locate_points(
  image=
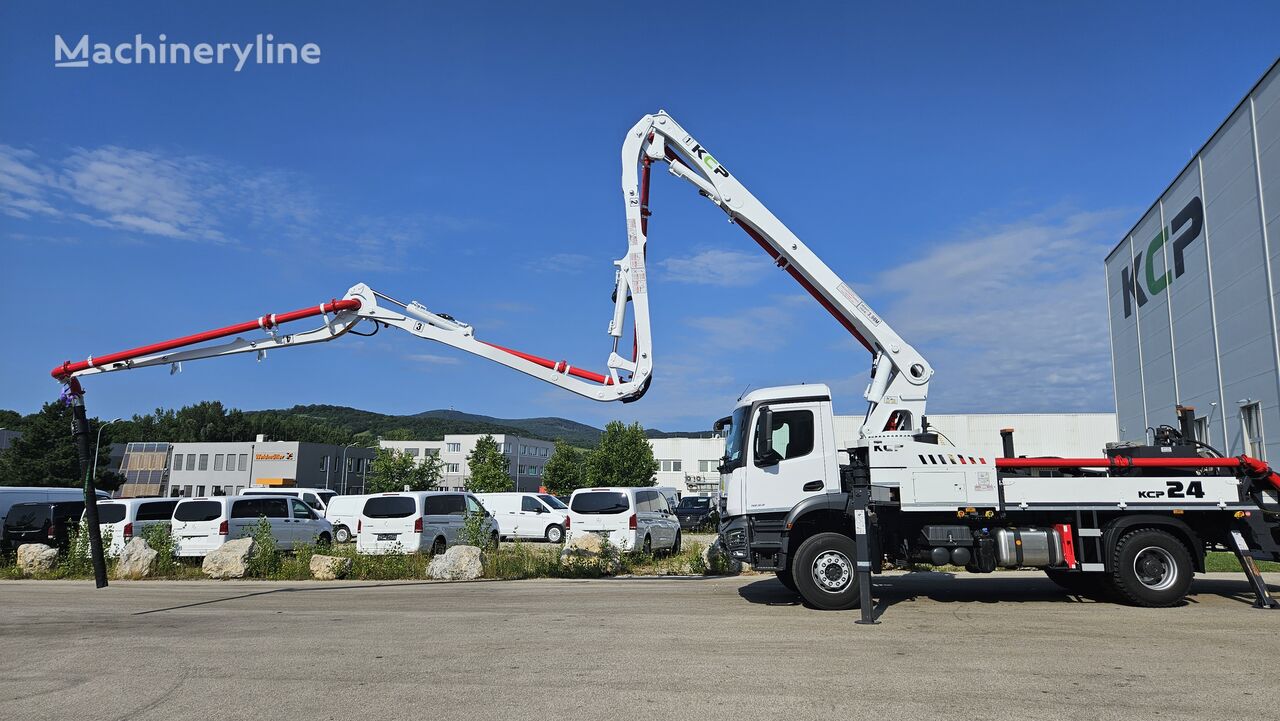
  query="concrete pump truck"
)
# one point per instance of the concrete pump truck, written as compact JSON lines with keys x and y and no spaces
{"x":1133,"y":525}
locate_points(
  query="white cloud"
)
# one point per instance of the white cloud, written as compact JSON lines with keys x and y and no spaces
{"x":563,"y":263}
{"x":433,"y":359}
{"x":723,"y":268}
{"x":1012,"y":318}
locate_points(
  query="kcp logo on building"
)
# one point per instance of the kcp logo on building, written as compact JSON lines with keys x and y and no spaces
{"x":264,"y":50}
{"x":1190,"y":217}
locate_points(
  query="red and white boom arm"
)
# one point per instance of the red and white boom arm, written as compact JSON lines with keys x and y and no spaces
{"x":896,"y":394}
{"x":899,"y":385}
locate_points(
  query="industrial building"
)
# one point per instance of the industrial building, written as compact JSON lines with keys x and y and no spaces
{"x":690,"y":464}
{"x":526,"y":457}
{"x":1192,"y":291}
{"x":200,"y":469}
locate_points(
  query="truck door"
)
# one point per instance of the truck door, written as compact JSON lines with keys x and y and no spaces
{"x":795,"y":467}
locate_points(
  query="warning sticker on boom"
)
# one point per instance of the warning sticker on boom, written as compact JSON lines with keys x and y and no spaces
{"x":638,"y":281}
{"x":857,"y":300}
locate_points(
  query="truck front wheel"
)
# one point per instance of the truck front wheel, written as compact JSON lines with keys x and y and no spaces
{"x":1151,"y":568}
{"x":825,"y":572}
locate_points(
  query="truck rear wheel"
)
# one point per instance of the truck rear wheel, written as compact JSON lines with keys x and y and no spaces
{"x":825,"y":573}
{"x":1150,"y":568}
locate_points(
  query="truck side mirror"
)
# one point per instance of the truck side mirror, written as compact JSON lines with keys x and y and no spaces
{"x":765,"y":455}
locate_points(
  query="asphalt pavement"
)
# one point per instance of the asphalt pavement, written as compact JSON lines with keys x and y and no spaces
{"x":1006,"y":646}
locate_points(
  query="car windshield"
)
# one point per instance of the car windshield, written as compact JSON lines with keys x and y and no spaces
{"x":735,"y":435}
{"x":110,"y":513}
{"x":694,"y":504}
{"x":552,"y":501}
{"x":600,"y":503}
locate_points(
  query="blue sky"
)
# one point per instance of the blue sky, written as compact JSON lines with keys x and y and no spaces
{"x":966,"y":166}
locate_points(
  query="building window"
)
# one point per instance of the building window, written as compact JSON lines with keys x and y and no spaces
{"x":1251,"y":429}
{"x":431,"y":452}
{"x":708,"y":466}
{"x":324,"y":463}
{"x":670,"y":465}
{"x":244,"y":461}
{"x":412,"y":452}
{"x":204,"y":463}
{"x":217,"y":462}
{"x":191,"y":461}
{"x":454,"y":447}
{"x":177,"y":461}
{"x":451,"y":468}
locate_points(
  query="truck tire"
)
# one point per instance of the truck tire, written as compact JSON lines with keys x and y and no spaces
{"x":1089,"y":585}
{"x":1150,"y":568}
{"x":825,"y":572}
{"x":787,"y":580}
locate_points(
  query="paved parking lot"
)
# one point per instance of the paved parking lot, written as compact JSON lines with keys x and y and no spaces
{"x":1009,"y":646}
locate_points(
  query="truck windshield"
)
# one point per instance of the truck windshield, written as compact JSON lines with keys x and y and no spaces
{"x":735,"y":436}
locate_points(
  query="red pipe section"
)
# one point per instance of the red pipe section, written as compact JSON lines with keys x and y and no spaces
{"x":1250,"y":465}
{"x":64,"y":371}
{"x":553,"y":365}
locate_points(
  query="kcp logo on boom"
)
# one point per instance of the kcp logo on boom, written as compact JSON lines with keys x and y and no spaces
{"x":1131,"y":280}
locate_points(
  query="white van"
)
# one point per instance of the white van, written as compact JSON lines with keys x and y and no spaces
{"x":344,"y":513}
{"x":527,"y":515}
{"x":200,"y":525}
{"x":672,"y":495}
{"x":632,"y":519}
{"x":416,"y":521}
{"x":11,"y":495}
{"x":126,"y":517}
{"x":317,"y":498}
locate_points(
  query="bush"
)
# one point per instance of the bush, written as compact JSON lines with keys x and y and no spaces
{"x":264,"y":562}
{"x":474,"y":531}
{"x":159,"y":537}
{"x":77,"y":561}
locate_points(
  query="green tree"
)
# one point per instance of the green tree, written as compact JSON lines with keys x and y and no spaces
{"x":392,"y":470}
{"x":622,"y":458}
{"x":489,"y":467}
{"x":566,"y":470}
{"x":45,"y":455}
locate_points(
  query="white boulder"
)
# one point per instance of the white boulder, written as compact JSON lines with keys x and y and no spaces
{"x":329,"y":568}
{"x":230,"y":560}
{"x":459,"y":563}
{"x":36,"y":558}
{"x":137,"y":560}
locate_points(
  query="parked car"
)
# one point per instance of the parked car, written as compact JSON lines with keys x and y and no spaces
{"x":317,"y":498}
{"x":633,"y":519}
{"x":344,"y":513}
{"x":697,"y":513}
{"x":527,"y":515}
{"x":126,"y":517}
{"x":11,"y":495}
{"x":416,"y":521}
{"x":50,"y":523}
{"x":200,"y":525}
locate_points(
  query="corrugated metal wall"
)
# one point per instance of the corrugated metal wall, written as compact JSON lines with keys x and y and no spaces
{"x":1192,"y":290}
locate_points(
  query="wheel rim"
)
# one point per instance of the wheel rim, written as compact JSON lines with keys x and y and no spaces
{"x":1155,"y":568}
{"x":832,"y":571}
{"x":555,"y":534}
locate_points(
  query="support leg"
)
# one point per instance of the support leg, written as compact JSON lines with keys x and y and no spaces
{"x":861,"y":499}
{"x":1262,"y":597}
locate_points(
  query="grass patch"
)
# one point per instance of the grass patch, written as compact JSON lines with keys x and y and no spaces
{"x":1224,"y":562}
